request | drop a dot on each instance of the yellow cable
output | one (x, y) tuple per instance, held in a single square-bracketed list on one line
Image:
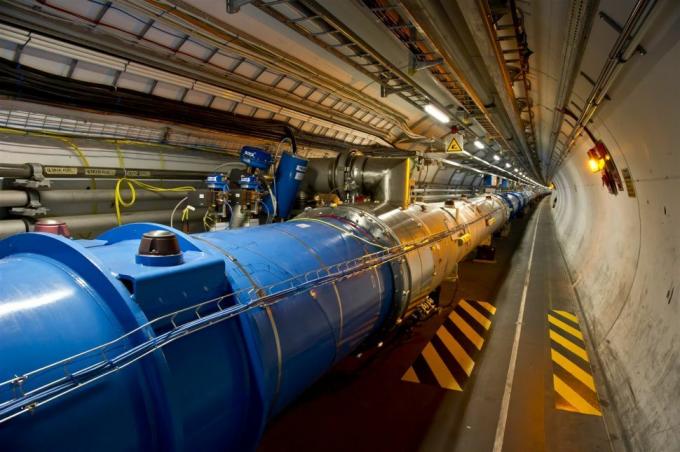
[(63, 139), (131, 183), (43, 133), (121, 156), (13, 131), (76, 150), (83, 160), (208, 222), (74, 147)]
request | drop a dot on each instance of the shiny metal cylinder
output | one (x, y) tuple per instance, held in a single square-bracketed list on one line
[(385, 179), (464, 224)]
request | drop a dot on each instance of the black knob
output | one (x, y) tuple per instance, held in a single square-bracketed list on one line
[(159, 243)]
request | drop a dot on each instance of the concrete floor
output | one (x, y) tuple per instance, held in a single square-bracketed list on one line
[(363, 404)]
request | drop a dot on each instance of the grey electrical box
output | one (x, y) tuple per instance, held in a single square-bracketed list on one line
[(200, 198)]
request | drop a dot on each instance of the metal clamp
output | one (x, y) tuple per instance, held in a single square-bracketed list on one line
[(234, 6), (37, 181), (33, 209)]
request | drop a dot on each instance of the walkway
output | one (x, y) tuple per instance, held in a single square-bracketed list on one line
[(508, 369)]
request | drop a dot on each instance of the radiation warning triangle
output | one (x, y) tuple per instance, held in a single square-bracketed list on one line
[(454, 146)]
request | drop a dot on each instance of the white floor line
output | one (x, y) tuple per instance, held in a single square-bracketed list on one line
[(505, 404)]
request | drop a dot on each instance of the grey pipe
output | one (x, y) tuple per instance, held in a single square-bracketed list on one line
[(21, 171), (439, 190), (83, 223), (87, 223), (13, 198), (51, 197), (435, 198), (18, 198), (24, 171), (11, 227), (580, 24)]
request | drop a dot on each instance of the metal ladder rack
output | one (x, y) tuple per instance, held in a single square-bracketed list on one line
[(395, 18), (311, 20)]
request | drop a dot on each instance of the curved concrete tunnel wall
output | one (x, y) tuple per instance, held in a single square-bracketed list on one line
[(623, 252)]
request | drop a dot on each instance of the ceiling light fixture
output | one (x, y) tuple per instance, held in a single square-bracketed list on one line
[(496, 157), (507, 165), (478, 144), (437, 113)]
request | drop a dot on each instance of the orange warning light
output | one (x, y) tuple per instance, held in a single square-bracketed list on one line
[(596, 162)]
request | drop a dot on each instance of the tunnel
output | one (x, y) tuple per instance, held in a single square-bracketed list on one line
[(368, 225)]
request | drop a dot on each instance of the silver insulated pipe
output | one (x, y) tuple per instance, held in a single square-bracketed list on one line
[(453, 230)]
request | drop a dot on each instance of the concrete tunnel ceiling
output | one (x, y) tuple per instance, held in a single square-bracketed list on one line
[(530, 86), (358, 89)]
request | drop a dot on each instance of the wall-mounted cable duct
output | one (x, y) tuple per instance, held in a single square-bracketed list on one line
[(581, 17), (47, 88), (188, 77), (625, 45)]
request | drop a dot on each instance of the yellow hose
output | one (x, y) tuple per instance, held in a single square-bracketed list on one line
[(131, 183)]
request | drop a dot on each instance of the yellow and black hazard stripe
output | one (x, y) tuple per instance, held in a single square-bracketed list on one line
[(572, 376), (448, 359)]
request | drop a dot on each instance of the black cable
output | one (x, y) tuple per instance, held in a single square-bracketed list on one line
[(291, 135), (24, 83)]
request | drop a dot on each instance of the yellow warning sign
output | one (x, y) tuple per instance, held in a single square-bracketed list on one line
[(454, 146), (572, 376)]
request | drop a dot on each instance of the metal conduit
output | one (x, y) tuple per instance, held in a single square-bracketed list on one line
[(621, 51), (11, 227), (581, 18), (27, 170), (67, 196), (82, 223), (13, 198), (108, 220), (19, 198)]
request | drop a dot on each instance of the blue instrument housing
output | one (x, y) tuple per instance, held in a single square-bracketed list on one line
[(289, 175), (249, 182), (256, 158), (217, 182)]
